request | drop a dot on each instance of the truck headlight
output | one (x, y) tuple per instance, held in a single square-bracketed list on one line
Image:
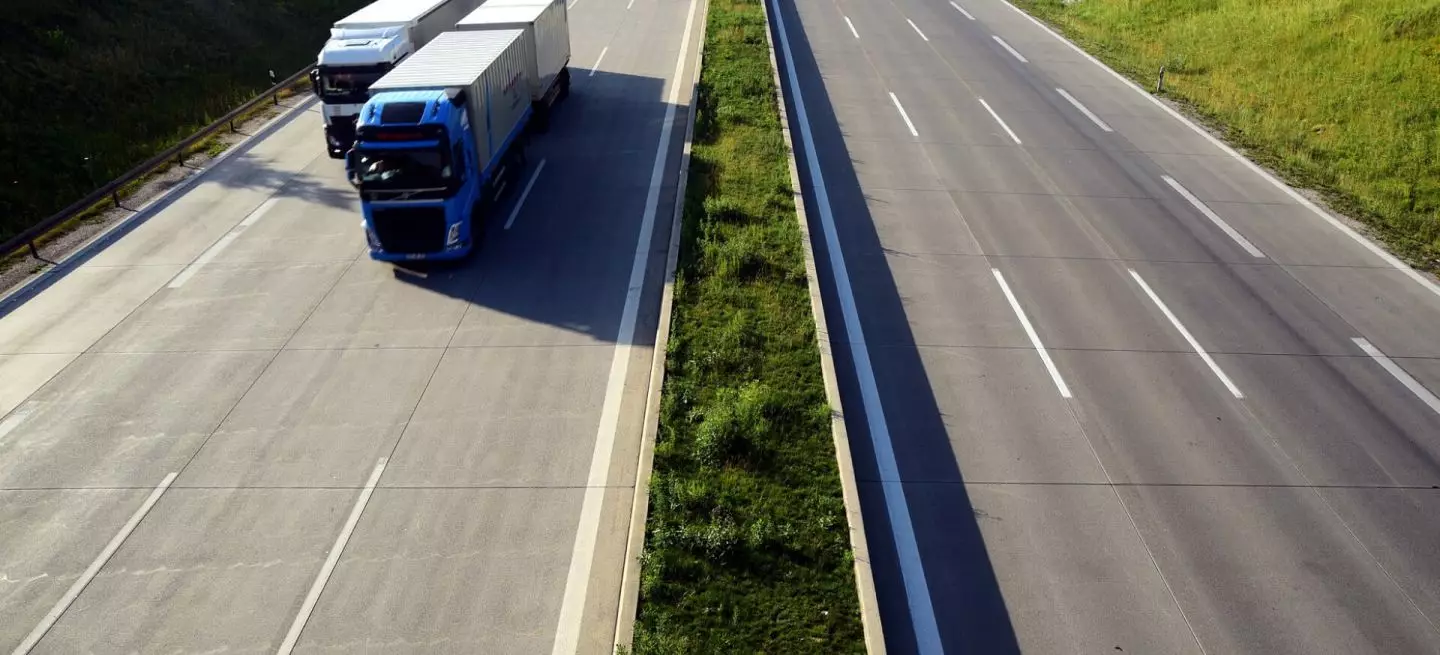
[(453, 236)]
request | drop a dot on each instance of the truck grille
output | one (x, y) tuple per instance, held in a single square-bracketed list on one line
[(409, 230)]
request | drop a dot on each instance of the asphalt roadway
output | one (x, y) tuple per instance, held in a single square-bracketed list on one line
[(232, 431), (1110, 389)]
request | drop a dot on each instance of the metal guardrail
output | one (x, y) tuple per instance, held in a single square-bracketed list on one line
[(175, 153)]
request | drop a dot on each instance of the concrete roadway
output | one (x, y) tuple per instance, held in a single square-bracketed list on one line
[(1095, 411), (230, 430)]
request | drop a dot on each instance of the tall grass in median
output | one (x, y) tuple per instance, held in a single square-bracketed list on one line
[(1342, 96), (747, 549)]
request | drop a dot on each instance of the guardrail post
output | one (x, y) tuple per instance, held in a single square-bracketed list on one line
[(275, 96), (1160, 84), (33, 252), (115, 195)]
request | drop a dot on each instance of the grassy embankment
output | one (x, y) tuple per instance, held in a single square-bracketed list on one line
[(1341, 96), (121, 80), (746, 548)]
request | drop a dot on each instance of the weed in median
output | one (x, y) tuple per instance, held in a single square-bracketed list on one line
[(747, 548)]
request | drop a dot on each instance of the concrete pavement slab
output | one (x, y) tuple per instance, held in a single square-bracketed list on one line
[(1272, 570), (49, 538), (1163, 418), (1076, 576), (1086, 173), (226, 307), (79, 308), (1343, 420), (890, 164), (948, 300), (1002, 416), (124, 420), (292, 229), (22, 375), (375, 305), (1030, 225), (449, 571), (1241, 308), (315, 418), (1088, 304), (484, 422), (1153, 132), (209, 570), (1397, 526), (980, 169), (1383, 305), (918, 223), (1294, 235)]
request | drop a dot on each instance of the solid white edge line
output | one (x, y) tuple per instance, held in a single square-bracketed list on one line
[(587, 532), (15, 418), (962, 10), (601, 58), (917, 29), (1000, 121), (1375, 249), (1013, 52), (331, 559), (205, 258), (80, 583), (1034, 337), (852, 26), (519, 204), (628, 6), (1398, 373), (912, 569), (259, 212), (1214, 218), (1195, 345), (903, 114), (1084, 110)]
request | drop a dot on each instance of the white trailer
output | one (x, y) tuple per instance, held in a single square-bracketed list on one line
[(546, 24), (364, 46)]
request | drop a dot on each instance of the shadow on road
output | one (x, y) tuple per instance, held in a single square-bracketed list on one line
[(968, 604)]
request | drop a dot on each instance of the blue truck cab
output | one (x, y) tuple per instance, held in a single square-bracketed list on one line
[(429, 163)]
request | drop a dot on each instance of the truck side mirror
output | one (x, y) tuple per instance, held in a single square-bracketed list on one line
[(315, 80), (352, 158)]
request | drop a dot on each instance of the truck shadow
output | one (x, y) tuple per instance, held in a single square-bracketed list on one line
[(968, 604), (567, 256)]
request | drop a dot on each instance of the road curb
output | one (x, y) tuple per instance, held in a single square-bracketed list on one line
[(864, 575), (640, 506), (102, 239)]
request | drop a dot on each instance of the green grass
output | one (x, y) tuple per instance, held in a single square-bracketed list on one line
[(747, 549), (120, 80), (1342, 96)]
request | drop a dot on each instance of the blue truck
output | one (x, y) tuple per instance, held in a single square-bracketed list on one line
[(439, 142)]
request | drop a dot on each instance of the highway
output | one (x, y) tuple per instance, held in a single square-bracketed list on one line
[(1109, 388), (231, 431)]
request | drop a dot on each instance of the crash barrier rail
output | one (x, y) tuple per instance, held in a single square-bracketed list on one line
[(176, 153)]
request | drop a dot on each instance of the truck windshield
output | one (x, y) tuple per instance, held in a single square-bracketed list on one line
[(348, 84), (422, 170)]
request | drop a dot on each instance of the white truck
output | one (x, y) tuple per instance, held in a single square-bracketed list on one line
[(367, 44), (546, 24)]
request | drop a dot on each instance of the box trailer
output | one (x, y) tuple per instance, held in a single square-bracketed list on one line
[(547, 46)]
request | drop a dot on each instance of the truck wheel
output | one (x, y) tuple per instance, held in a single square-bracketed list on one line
[(542, 120), (564, 83)]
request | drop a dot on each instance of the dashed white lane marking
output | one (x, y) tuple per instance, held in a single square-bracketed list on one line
[(80, 583), (1205, 356), (1214, 218), (1084, 110), (1034, 338), (1013, 52), (1001, 121), (1394, 369), (524, 194), (331, 560), (904, 115)]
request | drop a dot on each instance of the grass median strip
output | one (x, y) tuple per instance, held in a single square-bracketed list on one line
[(746, 544), (1335, 95)]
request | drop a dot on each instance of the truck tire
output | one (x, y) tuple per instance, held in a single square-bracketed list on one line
[(564, 84), (541, 123)]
